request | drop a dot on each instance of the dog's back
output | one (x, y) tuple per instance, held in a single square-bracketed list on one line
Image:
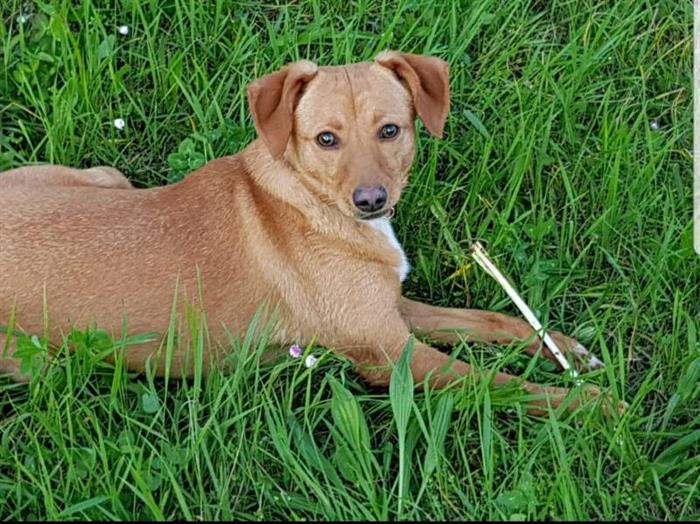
[(98, 254)]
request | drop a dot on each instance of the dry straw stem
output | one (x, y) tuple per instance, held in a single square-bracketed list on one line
[(482, 258)]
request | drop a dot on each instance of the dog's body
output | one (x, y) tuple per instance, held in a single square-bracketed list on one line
[(289, 221)]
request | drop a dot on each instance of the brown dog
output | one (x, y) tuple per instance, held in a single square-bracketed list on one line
[(299, 217)]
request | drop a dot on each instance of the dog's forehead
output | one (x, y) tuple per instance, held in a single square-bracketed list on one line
[(364, 87)]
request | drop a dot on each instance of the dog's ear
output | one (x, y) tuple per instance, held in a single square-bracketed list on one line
[(272, 99), (428, 80)]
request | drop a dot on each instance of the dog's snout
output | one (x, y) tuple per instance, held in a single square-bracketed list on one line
[(369, 199)]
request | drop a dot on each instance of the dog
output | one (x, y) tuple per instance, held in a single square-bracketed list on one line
[(300, 218)]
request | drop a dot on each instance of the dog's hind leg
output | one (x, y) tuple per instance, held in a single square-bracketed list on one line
[(449, 326), (106, 176), (50, 175)]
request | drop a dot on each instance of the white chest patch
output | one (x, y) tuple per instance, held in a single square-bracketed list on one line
[(384, 226)]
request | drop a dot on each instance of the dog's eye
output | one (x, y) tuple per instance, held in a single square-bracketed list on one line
[(388, 132), (327, 139)]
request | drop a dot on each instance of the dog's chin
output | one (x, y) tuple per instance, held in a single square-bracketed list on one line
[(389, 212)]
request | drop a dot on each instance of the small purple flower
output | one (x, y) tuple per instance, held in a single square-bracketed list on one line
[(310, 361), (295, 351), (654, 125)]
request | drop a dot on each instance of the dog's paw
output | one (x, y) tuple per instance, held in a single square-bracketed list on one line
[(586, 359), (608, 404), (583, 359), (587, 397)]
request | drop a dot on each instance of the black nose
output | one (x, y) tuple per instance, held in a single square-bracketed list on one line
[(369, 199)]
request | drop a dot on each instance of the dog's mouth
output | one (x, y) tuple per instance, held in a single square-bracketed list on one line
[(377, 214)]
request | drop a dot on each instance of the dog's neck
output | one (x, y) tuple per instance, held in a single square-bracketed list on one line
[(278, 178)]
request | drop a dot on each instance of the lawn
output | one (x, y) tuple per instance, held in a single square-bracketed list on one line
[(568, 149)]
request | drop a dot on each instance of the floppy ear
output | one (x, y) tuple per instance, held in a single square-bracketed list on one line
[(428, 80), (272, 99)]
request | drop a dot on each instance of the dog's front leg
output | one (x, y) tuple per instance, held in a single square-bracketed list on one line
[(375, 365), (375, 356), (450, 325)]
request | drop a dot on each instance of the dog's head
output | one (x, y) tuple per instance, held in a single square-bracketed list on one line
[(349, 130)]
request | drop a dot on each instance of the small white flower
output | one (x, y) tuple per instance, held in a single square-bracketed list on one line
[(23, 19), (654, 125), (119, 123), (310, 361), (123, 30)]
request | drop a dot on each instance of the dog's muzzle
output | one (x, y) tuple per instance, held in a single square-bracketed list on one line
[(384, 213)]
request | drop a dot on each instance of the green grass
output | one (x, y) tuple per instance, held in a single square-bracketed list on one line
[(549, 155)]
